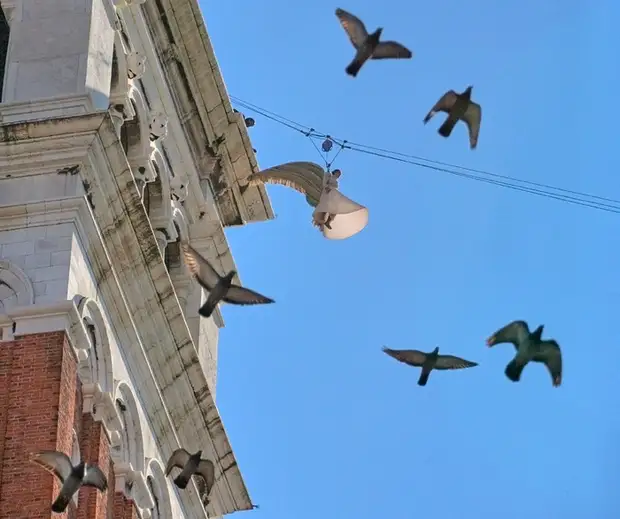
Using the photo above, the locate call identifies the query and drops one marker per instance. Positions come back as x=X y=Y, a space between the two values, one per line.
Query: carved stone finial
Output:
x=136 y=64
x=158 y=126
x=178 y=187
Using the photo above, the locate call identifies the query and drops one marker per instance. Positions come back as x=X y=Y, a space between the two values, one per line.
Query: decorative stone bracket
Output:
x=101 y=406
x=133 y=485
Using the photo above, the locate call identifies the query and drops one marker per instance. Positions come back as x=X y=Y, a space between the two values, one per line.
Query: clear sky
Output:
x=324 y=424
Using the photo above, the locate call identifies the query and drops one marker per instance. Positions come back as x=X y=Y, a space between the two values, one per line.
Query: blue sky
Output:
x=321 y=421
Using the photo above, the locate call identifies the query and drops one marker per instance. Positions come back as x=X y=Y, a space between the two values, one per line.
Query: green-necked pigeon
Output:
x=458 y=107
x=529 y=347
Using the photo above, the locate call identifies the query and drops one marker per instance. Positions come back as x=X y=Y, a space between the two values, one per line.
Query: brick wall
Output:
x=40 y=406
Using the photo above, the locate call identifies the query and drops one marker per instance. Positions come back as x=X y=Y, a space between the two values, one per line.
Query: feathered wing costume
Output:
x=337 y=216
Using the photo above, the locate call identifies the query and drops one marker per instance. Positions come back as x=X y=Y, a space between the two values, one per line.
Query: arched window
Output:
x=155 y=511
x=4 y=47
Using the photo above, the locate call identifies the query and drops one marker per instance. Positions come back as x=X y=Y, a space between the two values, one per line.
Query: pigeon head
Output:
x=537 y=333
x=198 y=454
x=376 y=35
x=435 y=351
x=467 y=92
x=230 y=275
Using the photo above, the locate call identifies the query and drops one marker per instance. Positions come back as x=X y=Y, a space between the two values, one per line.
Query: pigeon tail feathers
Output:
x=60 y=505
x=181 y=481
x=207 y=309
x=353 y=68
x=423 y=378
x=513 y=370
x=446 y=128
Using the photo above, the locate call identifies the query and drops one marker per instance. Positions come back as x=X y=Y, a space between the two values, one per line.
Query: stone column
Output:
x=62 y=50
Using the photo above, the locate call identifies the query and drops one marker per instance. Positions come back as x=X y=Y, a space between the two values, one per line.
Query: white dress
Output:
x=349 y=216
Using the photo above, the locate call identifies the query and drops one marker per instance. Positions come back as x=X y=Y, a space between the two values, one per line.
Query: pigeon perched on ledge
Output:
x=368 y=46
x=530 y=347
x=458 y=107
x=429 y=361
x=72 y=478
x=219 y=288
x=191 y=464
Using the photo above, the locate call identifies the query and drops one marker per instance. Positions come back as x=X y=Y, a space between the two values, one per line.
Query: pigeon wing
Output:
x=58 y=463
x=411 y=357
x=452 y=362
x=353 y=26
x=445 y=104
x=515 y=332
x=391 y=49
x=179 y=458
x=473 y=117
x=551 y=355
x=206 y=469
x=95 y=477
x=200 y=268
x=237 y=295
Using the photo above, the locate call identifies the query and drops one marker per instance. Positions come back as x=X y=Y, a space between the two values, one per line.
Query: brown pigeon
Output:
x=219 y=288
x=530 y=347
x=191 y=464
x=458 y=106
x=368 y=46
x=429 y=361
x=72 y=478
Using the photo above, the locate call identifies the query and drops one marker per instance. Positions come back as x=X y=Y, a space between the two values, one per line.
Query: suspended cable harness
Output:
x=327 y=143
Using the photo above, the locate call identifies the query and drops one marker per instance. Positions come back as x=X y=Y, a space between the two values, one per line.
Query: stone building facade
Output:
x=117 y=140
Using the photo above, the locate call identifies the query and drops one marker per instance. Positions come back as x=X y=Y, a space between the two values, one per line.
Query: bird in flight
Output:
x=191 y=464
x=368 y=46
x=428 y=361
x=459 y=107
x=530 y=347
x=220 y=288
x=72 y=477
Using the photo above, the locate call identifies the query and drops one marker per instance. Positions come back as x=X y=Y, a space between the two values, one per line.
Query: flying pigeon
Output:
x=72 y=478
x=458 y=106
x=190 y=465
x=368 y=46
x=219 y=288
x=529 y=347
x=429 y=361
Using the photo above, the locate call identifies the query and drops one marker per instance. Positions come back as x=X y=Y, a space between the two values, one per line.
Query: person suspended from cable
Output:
x=335 y=215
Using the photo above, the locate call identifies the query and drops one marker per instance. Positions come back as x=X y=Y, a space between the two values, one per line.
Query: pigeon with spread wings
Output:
x=367 y=46
x=191 y=464
x=72 y=477
x=429 y=361
x=220 y=288
x=458 y=107
x=530 y=347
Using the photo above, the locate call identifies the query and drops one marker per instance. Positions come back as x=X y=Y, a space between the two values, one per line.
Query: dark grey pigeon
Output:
x=72 y=478
x=530 y=347
x=429 y=361
x=458 y=107
x=190 y=465
x=219 y=288
x=368 y=46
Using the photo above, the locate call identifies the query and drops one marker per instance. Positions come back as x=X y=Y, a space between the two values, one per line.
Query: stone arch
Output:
x=158 y=486
x=15 y=287
x=130 y=449
x=76 y=457
x=97 y=368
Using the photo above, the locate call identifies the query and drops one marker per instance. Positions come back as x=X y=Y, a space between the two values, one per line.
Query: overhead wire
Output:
x=535 y=188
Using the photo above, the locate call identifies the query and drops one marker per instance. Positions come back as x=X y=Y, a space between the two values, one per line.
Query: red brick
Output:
x=95 y=450
x=124 y=508
x=38 y=375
